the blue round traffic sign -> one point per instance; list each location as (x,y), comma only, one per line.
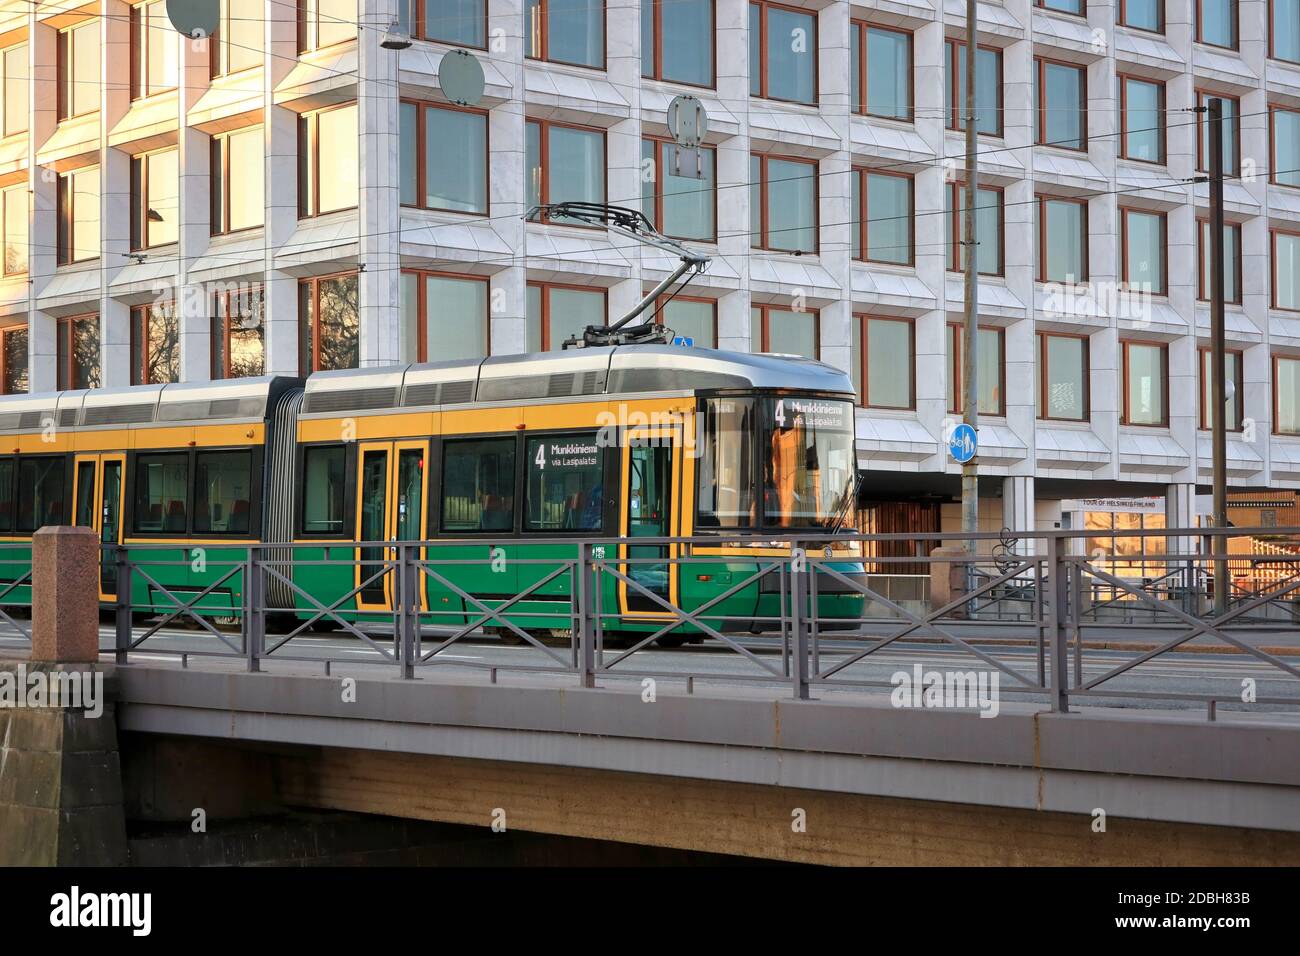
(963,444)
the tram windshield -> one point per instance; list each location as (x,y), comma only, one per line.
(798,450)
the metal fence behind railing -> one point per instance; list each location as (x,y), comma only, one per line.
(1051,621)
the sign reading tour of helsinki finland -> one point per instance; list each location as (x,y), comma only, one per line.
(963,443)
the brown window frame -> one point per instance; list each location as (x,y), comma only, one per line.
(663,301)
(861,28)
(1236,26)
(1082,14)
(421,306)
(221,321)
(955,366)
(140,63)
(1238,398)
(1040,69)
(764,6)
(219,205)
(217,46)
(658,218)
(64,69)
(1044,372)
(1164,245)
(1123,15)
(545,43)
(544,301)
(5,332)
(763,245)
(140,203)
(420,185)
(419,26)
(657,61)
(1125,344)
(1202,288)
(951,79)
(4,218)
(863,213)
(309,141)
(955,230)
(5,131)
(66,216)
(1124,79)
(543,154)
(764,329)
(1202,97)
(1272,53)
(1273,233)
(1276,358)
(65,354)
(864,320)
(314,282)
(304,23)
(1273,109)
(140,337)
(1040,268)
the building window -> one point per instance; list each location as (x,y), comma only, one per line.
(990,361)
(155,50)
(444,317)
(1216,23)
(565,164)
(1116,544)
(237,44)
(155,209)
(883,354)
(557,312)
(782,53)
(1142,120)
(327,323)
(566,31)
(1062,239)
(330,133)
(881,81)
(462,22)
(988,88)
(78,352)
(1231,261)
(323,23)
(1286,271)
(1062,6)
(784,332)
(238,332)
(1286,395)
(1143,241)
(691,318)
(13,359)
(1063,377)
(1060,105)
(1146,15)
(15,204)
(677,41)
(1284,30)
(78,68)
(13,66)
(155,344)
(444,158)
(782,203)
(1146,383)
(882,217)
(988,224)
(1284,132)
(1232,369)
(78,236)
(1231,132)
(238,171)
(677,202)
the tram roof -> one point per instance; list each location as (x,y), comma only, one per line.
(568,374)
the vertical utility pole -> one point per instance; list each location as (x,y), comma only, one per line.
(970,385)
(1219,397)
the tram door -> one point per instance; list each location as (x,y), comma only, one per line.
(651,509)
(391,506)
(97,492)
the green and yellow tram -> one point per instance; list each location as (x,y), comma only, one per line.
(507,462)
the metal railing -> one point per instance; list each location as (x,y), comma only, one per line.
(801,614)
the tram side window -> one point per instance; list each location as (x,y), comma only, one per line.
(726,473)
(161,483)
(478,485)
(324,477)
(222,483)
(564,489)
(6,494)
(40,493)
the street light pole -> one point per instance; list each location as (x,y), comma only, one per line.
(969,368)
(1219,397)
